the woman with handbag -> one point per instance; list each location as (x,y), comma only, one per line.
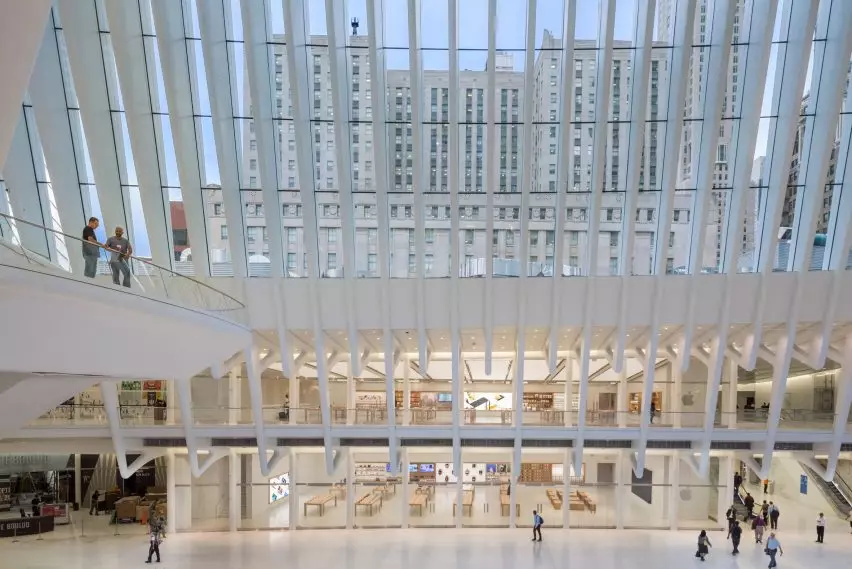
(704,545)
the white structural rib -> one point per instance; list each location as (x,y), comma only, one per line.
(415,60)
(681,53)
(639,81)
(760,21)
(131,64)
(86,59)
(830,70)
(603,104)
(338,24)
(296,23)
(841,409)
(50,109)
(255,21)
(26,200)
(793,52)
(109,392)
(184,393)
(212,22)
(490,180)
(378,72)
(22,29)
(563,170)
(253,373)
(180,89)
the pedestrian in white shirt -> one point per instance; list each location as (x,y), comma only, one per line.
(820,525)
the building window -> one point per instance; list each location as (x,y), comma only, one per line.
(430,259)
(252,182)
(223,232)
(332,235)
(218,209)
(371,263)
(253,164)
(291,261)
(671,239)
(430,235)
(468,237)
(332,261)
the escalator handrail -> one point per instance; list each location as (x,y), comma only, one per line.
(843,487)
(231,303)
(823,485)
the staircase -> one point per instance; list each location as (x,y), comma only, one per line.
(836,492)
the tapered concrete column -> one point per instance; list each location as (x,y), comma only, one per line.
(729,403)
(406,393)
(674,489)
(566,488)
(234,481)
(569,392)
(350,396)
(350,487)
(621,398)
(78,480)
(295,402)
(294,488)
(405,489)
(727,467)
(22,25)
(172,412)
(235,396)
(677,394)
(622,466)
(171,492)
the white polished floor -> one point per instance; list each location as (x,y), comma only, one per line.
(423,549)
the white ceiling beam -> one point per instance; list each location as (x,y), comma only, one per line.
(793,53)
(255,15)
(131,63)
(212,21)
(106,147)
(50,108)
(640,79)
(829,75)
(175,56)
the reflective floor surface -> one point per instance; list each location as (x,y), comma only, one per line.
(423,549)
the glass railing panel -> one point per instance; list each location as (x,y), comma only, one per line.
(487,418)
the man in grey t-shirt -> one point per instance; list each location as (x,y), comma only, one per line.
(120,251)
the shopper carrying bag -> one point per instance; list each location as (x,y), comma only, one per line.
(773,547)
(704,545)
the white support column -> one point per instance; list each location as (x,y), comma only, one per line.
(842,405)
(515,479)
(171,492)
(350,487)
(234,508)
(731,395)
(295,397)
(350,395)
(568,374)
(457,468)
(566,488)
(726,495)
(212,21)
(294,488)
(78,480)
(491,172)
(621,399)
(253,372)
(21,26)
(406,510)
(235,396)
(674,489)
(406,393)
(676,371)
(622,468)
(125,27)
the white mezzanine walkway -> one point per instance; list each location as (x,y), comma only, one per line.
(424,549)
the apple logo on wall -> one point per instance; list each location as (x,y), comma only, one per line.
(688,399)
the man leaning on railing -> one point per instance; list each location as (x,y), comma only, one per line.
(91,248)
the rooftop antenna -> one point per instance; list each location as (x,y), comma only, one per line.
(355,25)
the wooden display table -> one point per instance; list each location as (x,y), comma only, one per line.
(320,502)
(467,503)
(506,506)
(555,497)
(418,501)
(367,501)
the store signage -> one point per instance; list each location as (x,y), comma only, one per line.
(164,443)
(846,447)
(279,487)
(500,443)
(316,442)
(794,446)
(545,443)
(243,442)
(803,484)
(5,493)
(364,442)
(25,526)
(608,444)
(681,445)
(426,442)
(16,463)
(730,445)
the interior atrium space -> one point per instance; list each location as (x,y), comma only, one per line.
(461,270)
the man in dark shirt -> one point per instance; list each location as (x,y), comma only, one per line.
(120,251)
(91,249)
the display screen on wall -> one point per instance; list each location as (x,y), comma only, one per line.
(445,397)
(488,401)
(412,468)
(279,487)
(427,468)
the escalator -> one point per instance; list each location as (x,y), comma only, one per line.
(836,492)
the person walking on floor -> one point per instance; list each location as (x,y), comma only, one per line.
(93,507)
(91,248)
(758,524)
(537,521)
(749,503)
(731,516)
(704,545)
(820,525)
(764,512)
(773,547)
(120,251)
(738,481)
(774,514)
(653,411)
(154,547)
(736,535)
(766,487)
